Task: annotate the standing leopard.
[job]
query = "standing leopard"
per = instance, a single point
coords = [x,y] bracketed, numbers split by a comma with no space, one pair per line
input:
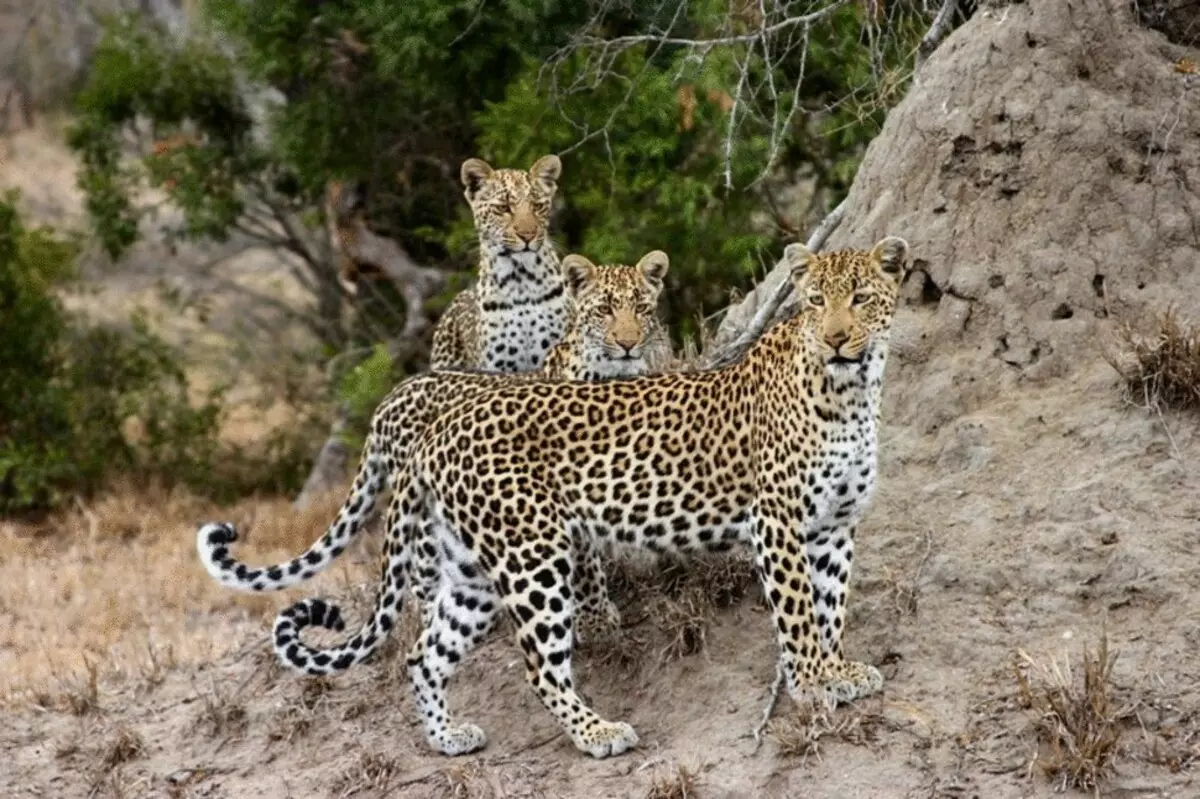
[516,311]
[777,451]
[612,324]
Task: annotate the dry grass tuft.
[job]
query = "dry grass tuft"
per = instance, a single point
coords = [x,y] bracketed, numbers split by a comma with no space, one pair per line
[76,693]
[683,621]
[299,714]
[470,781]
[371,774]
[1161,368]
[801,732]
[125,745]
[682,784]
[221,712]
[679,597]
[1077,721]
[116,784]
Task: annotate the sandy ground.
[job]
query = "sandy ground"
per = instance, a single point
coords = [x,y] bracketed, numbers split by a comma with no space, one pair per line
[1037,524]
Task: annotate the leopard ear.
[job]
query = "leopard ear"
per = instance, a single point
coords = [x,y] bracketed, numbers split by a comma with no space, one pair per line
[473,173]
[577,272]
[797,258]
[889,254]
[653,267]
[546,171]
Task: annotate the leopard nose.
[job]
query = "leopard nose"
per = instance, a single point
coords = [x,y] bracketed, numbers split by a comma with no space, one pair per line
[626,343]
[836,338]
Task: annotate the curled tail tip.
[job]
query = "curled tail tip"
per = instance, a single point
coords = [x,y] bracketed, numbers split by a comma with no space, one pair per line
[310,613]
[215,534]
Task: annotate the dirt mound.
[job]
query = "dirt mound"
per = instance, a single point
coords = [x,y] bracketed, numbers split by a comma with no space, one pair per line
[1045,171]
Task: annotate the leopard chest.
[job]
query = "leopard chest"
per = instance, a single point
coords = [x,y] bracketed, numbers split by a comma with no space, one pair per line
[523,315]
[840,473]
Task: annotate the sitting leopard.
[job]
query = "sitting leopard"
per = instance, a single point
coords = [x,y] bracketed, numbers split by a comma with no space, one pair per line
[613,324]
[777,451]
[613,321]
[516,311]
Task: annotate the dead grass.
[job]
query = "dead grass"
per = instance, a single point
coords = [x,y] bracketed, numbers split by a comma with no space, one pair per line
[299,714]
[469,781]
[113,590]
[371,774]
[1075,716]
[125,745]
[1160,368]
[676,600]
[801,733]
[222,712]
[76,692]
[682,783]
[117,784]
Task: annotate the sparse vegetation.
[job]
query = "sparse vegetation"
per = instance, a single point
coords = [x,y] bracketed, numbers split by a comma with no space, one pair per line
[800,732]
[670,604]
[124,585]
[1160,366]
[371,774]
[681,783]
[222,711]
[1075,715]
[124,745]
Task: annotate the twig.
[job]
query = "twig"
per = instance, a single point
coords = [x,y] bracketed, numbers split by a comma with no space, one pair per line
[1170,438]
[776,684]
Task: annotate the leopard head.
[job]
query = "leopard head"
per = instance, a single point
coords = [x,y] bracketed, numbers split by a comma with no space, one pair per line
[848,297]
[616,310]
[511,206]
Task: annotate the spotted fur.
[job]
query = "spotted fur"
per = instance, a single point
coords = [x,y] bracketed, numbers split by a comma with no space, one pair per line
[516,311]
[776,452]
[612,322]
[614,319]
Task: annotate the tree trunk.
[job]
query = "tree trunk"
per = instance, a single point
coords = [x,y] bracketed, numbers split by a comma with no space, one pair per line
[372,257]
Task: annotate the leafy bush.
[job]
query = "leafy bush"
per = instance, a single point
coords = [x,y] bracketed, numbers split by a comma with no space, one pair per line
[81,404]
[363,387]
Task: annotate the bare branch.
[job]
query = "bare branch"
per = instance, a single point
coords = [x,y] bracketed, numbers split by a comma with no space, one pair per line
[625,42]
[731,128]
[746,321]
[937,31]
[759,54]
[415,283]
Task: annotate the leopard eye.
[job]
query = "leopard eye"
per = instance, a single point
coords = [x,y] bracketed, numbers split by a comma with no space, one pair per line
[605,308]
[816,300]
[862,297]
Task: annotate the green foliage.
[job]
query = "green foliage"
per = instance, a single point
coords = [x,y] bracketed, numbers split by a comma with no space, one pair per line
[365,385]
[81,404]
[137,75]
